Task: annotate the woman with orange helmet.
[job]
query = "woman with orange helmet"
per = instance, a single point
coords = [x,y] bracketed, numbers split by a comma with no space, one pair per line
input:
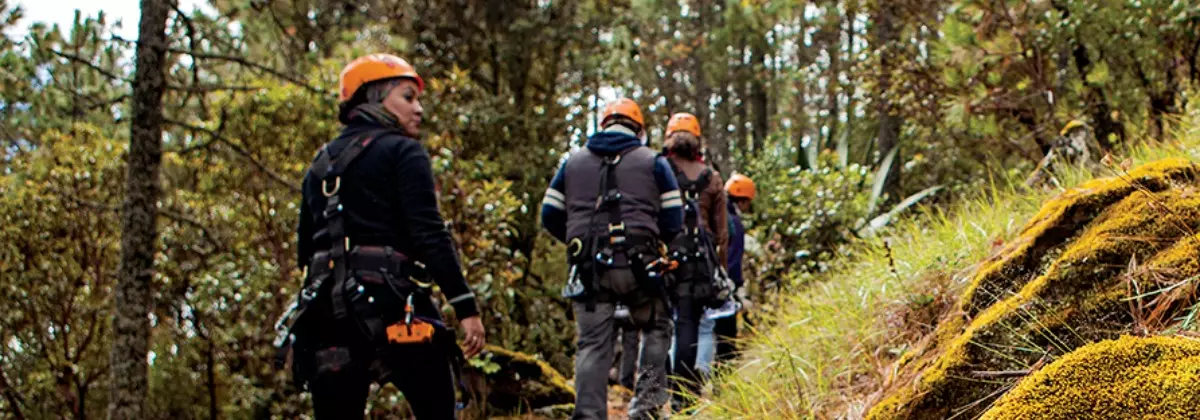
[700,250]
[369,209]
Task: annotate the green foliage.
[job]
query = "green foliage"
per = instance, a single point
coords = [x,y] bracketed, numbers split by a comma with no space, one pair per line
[811,215]
[58,250]
[789,93]
[485,364]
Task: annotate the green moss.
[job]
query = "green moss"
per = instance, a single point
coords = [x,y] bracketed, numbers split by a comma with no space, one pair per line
[548,374]
[1028,304]
[1059,220]
[522,382]
[1125,378]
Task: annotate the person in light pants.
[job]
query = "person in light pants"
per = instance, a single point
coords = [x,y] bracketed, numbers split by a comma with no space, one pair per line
[741,191]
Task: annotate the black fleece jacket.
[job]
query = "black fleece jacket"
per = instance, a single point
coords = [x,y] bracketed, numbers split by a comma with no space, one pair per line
[390,200]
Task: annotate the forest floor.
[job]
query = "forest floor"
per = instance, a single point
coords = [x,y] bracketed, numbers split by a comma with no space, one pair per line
[618,406]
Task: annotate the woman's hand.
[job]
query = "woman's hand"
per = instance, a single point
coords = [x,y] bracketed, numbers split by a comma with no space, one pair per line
[474,341]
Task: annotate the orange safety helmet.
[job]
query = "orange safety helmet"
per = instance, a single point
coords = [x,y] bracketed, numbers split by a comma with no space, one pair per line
[374,67]
[740,186]
[624,107]
[684,122]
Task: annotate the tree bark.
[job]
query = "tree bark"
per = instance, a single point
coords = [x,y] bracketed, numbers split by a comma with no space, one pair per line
[888,137]
[833,84]
[800,118]
[758,92]
[741,94]
[139,232]
[1108,130]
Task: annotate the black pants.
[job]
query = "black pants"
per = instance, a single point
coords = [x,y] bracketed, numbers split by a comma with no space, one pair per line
[421,372]
[687,380]
[725,330]
[344,370]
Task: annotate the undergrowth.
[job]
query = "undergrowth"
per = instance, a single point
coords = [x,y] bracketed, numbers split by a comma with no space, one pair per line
[828,347]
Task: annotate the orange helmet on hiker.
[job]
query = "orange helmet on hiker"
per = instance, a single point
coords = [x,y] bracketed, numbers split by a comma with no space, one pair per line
[624,107]
[684,122]
[740,186]
[371,68]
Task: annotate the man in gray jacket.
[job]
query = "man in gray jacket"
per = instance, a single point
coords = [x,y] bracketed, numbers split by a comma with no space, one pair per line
[614,203]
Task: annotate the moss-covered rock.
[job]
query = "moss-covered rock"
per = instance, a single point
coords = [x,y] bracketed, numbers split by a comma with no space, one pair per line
[1062,284]
[513,382]
[1128,378]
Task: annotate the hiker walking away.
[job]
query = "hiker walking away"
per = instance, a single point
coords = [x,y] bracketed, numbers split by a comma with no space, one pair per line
[741,191]
[368,220]
[705,234]
[613,203]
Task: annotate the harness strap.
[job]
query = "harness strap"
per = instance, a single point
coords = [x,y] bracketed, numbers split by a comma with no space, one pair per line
[609,197]
[697,247]
[284,326]
[329,169]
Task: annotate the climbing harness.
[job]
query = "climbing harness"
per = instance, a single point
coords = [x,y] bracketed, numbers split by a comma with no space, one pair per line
[365,281]
[616,247]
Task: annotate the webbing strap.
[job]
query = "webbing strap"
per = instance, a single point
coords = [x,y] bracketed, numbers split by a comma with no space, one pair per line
[611,196]
[329,169]
[691,190]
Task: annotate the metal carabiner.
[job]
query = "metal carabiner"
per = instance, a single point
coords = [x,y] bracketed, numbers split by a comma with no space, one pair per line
[337,185]
[408,311]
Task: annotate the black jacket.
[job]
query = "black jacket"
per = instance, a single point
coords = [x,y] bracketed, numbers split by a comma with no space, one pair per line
[389,199]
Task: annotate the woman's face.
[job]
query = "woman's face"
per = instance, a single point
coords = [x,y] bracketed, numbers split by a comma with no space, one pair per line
[405,104]
[743,205]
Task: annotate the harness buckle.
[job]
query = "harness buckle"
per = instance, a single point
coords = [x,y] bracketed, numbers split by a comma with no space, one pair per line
[617,228]
[605,258]
[308,294]
[337,185]
[616,233]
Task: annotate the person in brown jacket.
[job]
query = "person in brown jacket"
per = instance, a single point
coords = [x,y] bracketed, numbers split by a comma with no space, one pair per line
[705,223]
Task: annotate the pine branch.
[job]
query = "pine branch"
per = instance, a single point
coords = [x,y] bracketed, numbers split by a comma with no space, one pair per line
[218,137]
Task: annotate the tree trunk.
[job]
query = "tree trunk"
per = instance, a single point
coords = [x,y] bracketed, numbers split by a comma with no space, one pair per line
[1162,101]
[833,77]
[886,35]
[139,233]
[741,95]
[1108,130]
[800,118]
[758,92]
[699,78]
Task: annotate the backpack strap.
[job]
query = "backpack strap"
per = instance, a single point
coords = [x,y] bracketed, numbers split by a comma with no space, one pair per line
[691,191]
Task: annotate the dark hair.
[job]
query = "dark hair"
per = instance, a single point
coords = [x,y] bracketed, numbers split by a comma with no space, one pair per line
[361,96]
[622,120]
[684,144]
